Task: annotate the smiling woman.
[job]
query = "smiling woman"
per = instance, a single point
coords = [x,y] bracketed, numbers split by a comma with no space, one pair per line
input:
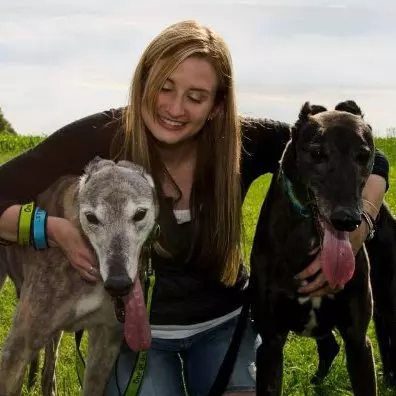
[184,102]
[182,126]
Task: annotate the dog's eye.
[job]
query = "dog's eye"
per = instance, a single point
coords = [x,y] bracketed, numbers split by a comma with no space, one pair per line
[317,154]
[363,156]
[91,218]
[140,214]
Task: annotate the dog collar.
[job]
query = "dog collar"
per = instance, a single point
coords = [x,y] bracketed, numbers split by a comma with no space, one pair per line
[297,205]
[153,236]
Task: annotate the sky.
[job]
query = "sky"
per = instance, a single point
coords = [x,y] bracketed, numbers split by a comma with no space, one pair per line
[61,60]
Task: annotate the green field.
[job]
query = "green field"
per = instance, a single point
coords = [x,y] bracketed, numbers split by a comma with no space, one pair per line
[300,353]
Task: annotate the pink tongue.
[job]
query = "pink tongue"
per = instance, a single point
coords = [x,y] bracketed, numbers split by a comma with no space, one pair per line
[338,261]
[137,330]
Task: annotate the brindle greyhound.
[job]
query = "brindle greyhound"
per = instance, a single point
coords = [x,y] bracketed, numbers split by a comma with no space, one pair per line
[315,199]
[115,208]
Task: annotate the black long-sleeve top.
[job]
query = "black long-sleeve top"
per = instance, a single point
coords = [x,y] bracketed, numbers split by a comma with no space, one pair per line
[182,295]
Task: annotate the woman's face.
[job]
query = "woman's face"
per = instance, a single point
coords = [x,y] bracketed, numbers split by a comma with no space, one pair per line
[184,103]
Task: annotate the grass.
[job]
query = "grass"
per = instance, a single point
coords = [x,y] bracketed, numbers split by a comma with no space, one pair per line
[300,353]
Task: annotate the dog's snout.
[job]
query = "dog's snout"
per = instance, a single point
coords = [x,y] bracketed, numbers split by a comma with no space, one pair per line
[345,219]
[118,286]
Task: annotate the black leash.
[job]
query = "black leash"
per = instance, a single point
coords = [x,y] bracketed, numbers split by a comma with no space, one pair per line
[223,376]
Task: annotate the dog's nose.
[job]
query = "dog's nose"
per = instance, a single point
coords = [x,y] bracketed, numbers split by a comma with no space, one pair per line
[345,219]
[118,286]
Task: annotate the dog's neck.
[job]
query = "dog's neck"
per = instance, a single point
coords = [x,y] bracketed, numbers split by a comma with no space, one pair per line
[297,205]
[296,193]
[300,214]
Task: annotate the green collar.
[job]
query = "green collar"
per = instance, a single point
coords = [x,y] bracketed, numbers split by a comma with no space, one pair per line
[297,205]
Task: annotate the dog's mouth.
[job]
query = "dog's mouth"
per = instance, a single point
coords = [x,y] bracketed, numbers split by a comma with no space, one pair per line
[337,258]
[137,330]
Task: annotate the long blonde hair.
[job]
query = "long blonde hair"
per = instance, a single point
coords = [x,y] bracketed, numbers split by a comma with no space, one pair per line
[216,196]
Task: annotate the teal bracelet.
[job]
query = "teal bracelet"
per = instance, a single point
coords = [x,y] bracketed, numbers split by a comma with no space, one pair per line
[40,229]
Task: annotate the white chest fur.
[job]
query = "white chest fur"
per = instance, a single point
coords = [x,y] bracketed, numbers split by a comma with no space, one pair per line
[90,303]
[312,321]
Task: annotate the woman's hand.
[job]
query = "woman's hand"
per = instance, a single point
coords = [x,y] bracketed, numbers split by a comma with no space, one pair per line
[64,234]
[373,195]
[319,286]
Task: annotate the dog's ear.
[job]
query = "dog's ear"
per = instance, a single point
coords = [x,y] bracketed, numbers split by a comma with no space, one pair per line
[305,112]
[289,155]
[349,106]
[303,117]
[96,164]
[93,166]
[315,109]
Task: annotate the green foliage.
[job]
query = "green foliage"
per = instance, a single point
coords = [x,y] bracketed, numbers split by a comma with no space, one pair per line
[17,143]
[5,126]
[300,353]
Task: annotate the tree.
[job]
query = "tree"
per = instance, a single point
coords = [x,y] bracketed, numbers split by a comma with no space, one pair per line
[5,126]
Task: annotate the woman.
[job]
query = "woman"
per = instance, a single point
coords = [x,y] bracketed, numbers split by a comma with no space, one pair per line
[182,125]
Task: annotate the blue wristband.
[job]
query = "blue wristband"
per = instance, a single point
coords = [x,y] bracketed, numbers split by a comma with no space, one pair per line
[39,229]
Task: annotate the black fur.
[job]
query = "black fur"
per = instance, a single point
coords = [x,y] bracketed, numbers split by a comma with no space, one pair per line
[382,253]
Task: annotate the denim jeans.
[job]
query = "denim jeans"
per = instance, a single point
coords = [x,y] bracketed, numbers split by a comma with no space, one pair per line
[188,366]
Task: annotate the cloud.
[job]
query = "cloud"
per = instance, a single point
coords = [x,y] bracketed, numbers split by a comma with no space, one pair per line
[63,60]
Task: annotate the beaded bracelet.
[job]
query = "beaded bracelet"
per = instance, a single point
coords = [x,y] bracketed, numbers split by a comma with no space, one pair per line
[370,223]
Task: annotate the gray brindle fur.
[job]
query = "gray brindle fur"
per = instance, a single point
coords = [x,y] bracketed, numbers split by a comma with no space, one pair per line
[328,161]
[103,203]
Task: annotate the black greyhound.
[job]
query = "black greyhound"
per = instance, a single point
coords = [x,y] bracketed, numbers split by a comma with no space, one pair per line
[315,199]
[382,253]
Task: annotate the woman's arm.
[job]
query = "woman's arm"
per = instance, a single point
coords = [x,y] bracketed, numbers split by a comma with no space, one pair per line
[373,196]
[263,142]
[61,233]
[66,151]
[9,223]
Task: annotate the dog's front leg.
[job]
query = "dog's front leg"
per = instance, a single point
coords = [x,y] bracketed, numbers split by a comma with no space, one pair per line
[48,378]
[385,327]
[269,361]
[328,349]
[16,354]
[103,347]
[360,364]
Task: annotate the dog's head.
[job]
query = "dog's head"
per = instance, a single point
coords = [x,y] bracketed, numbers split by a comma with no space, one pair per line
[117,212]
[331,154]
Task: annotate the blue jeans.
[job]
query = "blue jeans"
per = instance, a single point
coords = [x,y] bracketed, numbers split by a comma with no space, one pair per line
[190,363]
